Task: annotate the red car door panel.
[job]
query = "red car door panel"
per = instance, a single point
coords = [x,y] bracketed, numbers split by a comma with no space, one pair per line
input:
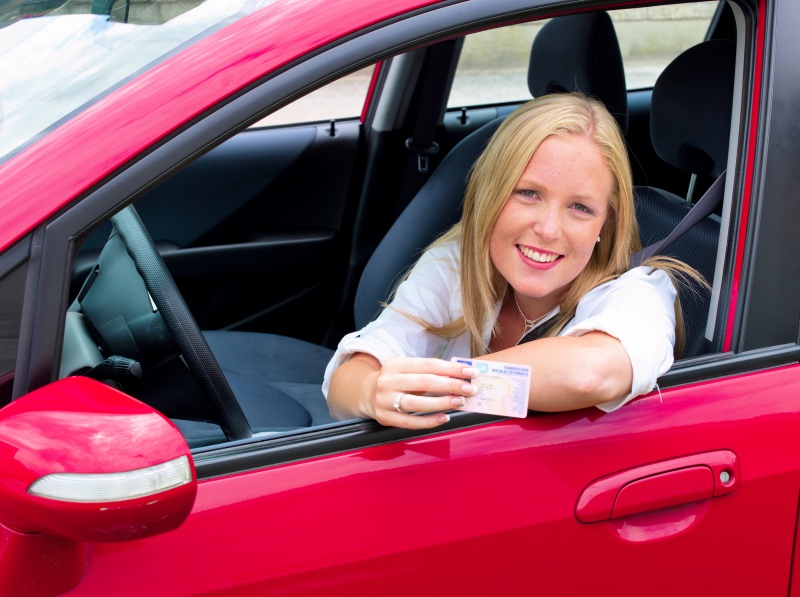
[445,512]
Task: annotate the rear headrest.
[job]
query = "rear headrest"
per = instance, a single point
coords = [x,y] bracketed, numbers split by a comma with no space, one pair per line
[690,114]
[580,53]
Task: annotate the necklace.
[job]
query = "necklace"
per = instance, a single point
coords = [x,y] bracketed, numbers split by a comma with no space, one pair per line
[529,323]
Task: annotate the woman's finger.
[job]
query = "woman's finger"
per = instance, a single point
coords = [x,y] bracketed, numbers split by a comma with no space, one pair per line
[424,383]
[427,404]
[428,366]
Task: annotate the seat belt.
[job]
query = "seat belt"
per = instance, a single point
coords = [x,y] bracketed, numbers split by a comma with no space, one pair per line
[704,207]
[421,144]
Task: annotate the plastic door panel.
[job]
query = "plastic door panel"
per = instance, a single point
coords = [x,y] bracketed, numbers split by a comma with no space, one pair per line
[248,236]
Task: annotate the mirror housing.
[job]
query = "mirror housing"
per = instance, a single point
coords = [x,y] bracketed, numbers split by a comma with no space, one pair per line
[84,462]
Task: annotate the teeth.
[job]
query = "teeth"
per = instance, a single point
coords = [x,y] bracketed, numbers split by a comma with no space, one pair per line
[536,256]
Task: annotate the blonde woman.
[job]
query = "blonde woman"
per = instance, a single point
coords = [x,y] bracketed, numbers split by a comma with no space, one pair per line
[542,251]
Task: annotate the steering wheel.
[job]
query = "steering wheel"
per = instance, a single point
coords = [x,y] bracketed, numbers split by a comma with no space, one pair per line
[175,314]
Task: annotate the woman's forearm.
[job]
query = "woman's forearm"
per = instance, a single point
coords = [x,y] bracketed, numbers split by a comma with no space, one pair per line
[568,373]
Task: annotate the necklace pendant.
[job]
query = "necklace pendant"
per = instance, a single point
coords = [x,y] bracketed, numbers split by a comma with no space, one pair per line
[529,325]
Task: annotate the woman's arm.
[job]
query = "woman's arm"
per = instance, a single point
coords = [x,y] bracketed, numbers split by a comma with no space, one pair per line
[619,342]
[361,387]
[569,372]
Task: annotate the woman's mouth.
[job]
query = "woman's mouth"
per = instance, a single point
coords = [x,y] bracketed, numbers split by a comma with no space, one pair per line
[537,256]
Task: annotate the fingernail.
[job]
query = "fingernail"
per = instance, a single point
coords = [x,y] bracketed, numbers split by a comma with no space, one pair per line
[458,401]
[468,389]
[444,418]
[469,372]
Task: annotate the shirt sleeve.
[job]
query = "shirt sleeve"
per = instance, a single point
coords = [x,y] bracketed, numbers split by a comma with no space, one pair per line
[431,292]
[638,309]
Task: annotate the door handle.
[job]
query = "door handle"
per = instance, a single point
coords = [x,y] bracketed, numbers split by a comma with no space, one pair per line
[659,485]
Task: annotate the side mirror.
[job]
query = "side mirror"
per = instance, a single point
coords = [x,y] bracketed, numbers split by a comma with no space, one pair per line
[84,462]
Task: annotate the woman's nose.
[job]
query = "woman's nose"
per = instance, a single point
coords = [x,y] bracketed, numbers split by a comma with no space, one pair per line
[548,224]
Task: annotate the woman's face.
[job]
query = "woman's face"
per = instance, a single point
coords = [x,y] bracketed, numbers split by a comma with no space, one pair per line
[548,227]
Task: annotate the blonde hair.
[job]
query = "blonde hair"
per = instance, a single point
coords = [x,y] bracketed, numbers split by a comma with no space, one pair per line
[492,179]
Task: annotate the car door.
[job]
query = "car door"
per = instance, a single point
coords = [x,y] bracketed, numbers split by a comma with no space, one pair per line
[691,488]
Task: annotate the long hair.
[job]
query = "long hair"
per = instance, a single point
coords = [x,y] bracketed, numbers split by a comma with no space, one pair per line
[492,180]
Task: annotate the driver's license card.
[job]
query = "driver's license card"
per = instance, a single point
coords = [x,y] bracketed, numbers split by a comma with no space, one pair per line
[503,388]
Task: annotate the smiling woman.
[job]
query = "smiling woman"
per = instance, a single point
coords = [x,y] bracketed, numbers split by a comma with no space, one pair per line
[542,253]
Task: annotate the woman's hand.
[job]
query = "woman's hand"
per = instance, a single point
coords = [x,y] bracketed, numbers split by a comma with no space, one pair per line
[389,393]
[407,384]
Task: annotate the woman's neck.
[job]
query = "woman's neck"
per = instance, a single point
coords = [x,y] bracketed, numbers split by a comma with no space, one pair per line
[531,310]
[512,325]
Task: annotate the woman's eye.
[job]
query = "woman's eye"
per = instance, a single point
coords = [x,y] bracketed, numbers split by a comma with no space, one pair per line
[582,207]
[527,193]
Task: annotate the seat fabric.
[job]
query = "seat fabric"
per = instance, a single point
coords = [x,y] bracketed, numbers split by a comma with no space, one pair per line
[657,212]
[276,380]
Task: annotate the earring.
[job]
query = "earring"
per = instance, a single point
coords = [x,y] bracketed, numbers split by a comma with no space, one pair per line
[598,239]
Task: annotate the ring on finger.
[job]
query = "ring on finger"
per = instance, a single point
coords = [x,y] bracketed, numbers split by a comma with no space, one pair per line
[396,404]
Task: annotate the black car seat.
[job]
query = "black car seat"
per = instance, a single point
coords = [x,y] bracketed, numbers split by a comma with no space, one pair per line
[265,371]
[690,120]
[580,53]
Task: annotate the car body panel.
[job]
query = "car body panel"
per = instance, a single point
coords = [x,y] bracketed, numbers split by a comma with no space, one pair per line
[445,513]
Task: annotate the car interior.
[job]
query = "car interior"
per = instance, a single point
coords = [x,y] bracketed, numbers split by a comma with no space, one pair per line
[282,239]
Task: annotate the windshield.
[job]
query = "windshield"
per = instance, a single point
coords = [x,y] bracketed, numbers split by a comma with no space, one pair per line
[57,57]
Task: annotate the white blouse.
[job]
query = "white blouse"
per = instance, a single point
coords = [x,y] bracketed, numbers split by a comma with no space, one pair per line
[637,308]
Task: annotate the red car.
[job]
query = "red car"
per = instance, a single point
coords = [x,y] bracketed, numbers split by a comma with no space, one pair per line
[271,210]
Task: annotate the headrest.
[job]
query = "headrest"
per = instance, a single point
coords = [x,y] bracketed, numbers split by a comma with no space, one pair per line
[580,53]
[690,114]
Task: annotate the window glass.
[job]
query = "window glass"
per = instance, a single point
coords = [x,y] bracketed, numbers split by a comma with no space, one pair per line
[651,37]
[342,98]
[493,67]
[138,12]
[57,57]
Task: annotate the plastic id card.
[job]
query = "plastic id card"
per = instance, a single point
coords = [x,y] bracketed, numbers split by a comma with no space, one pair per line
[503,388]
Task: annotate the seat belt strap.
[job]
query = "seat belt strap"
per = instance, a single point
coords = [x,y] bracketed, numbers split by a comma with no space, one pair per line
[704,207]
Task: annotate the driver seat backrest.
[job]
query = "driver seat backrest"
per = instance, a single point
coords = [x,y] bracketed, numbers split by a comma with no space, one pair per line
[591,63]
[690,129]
